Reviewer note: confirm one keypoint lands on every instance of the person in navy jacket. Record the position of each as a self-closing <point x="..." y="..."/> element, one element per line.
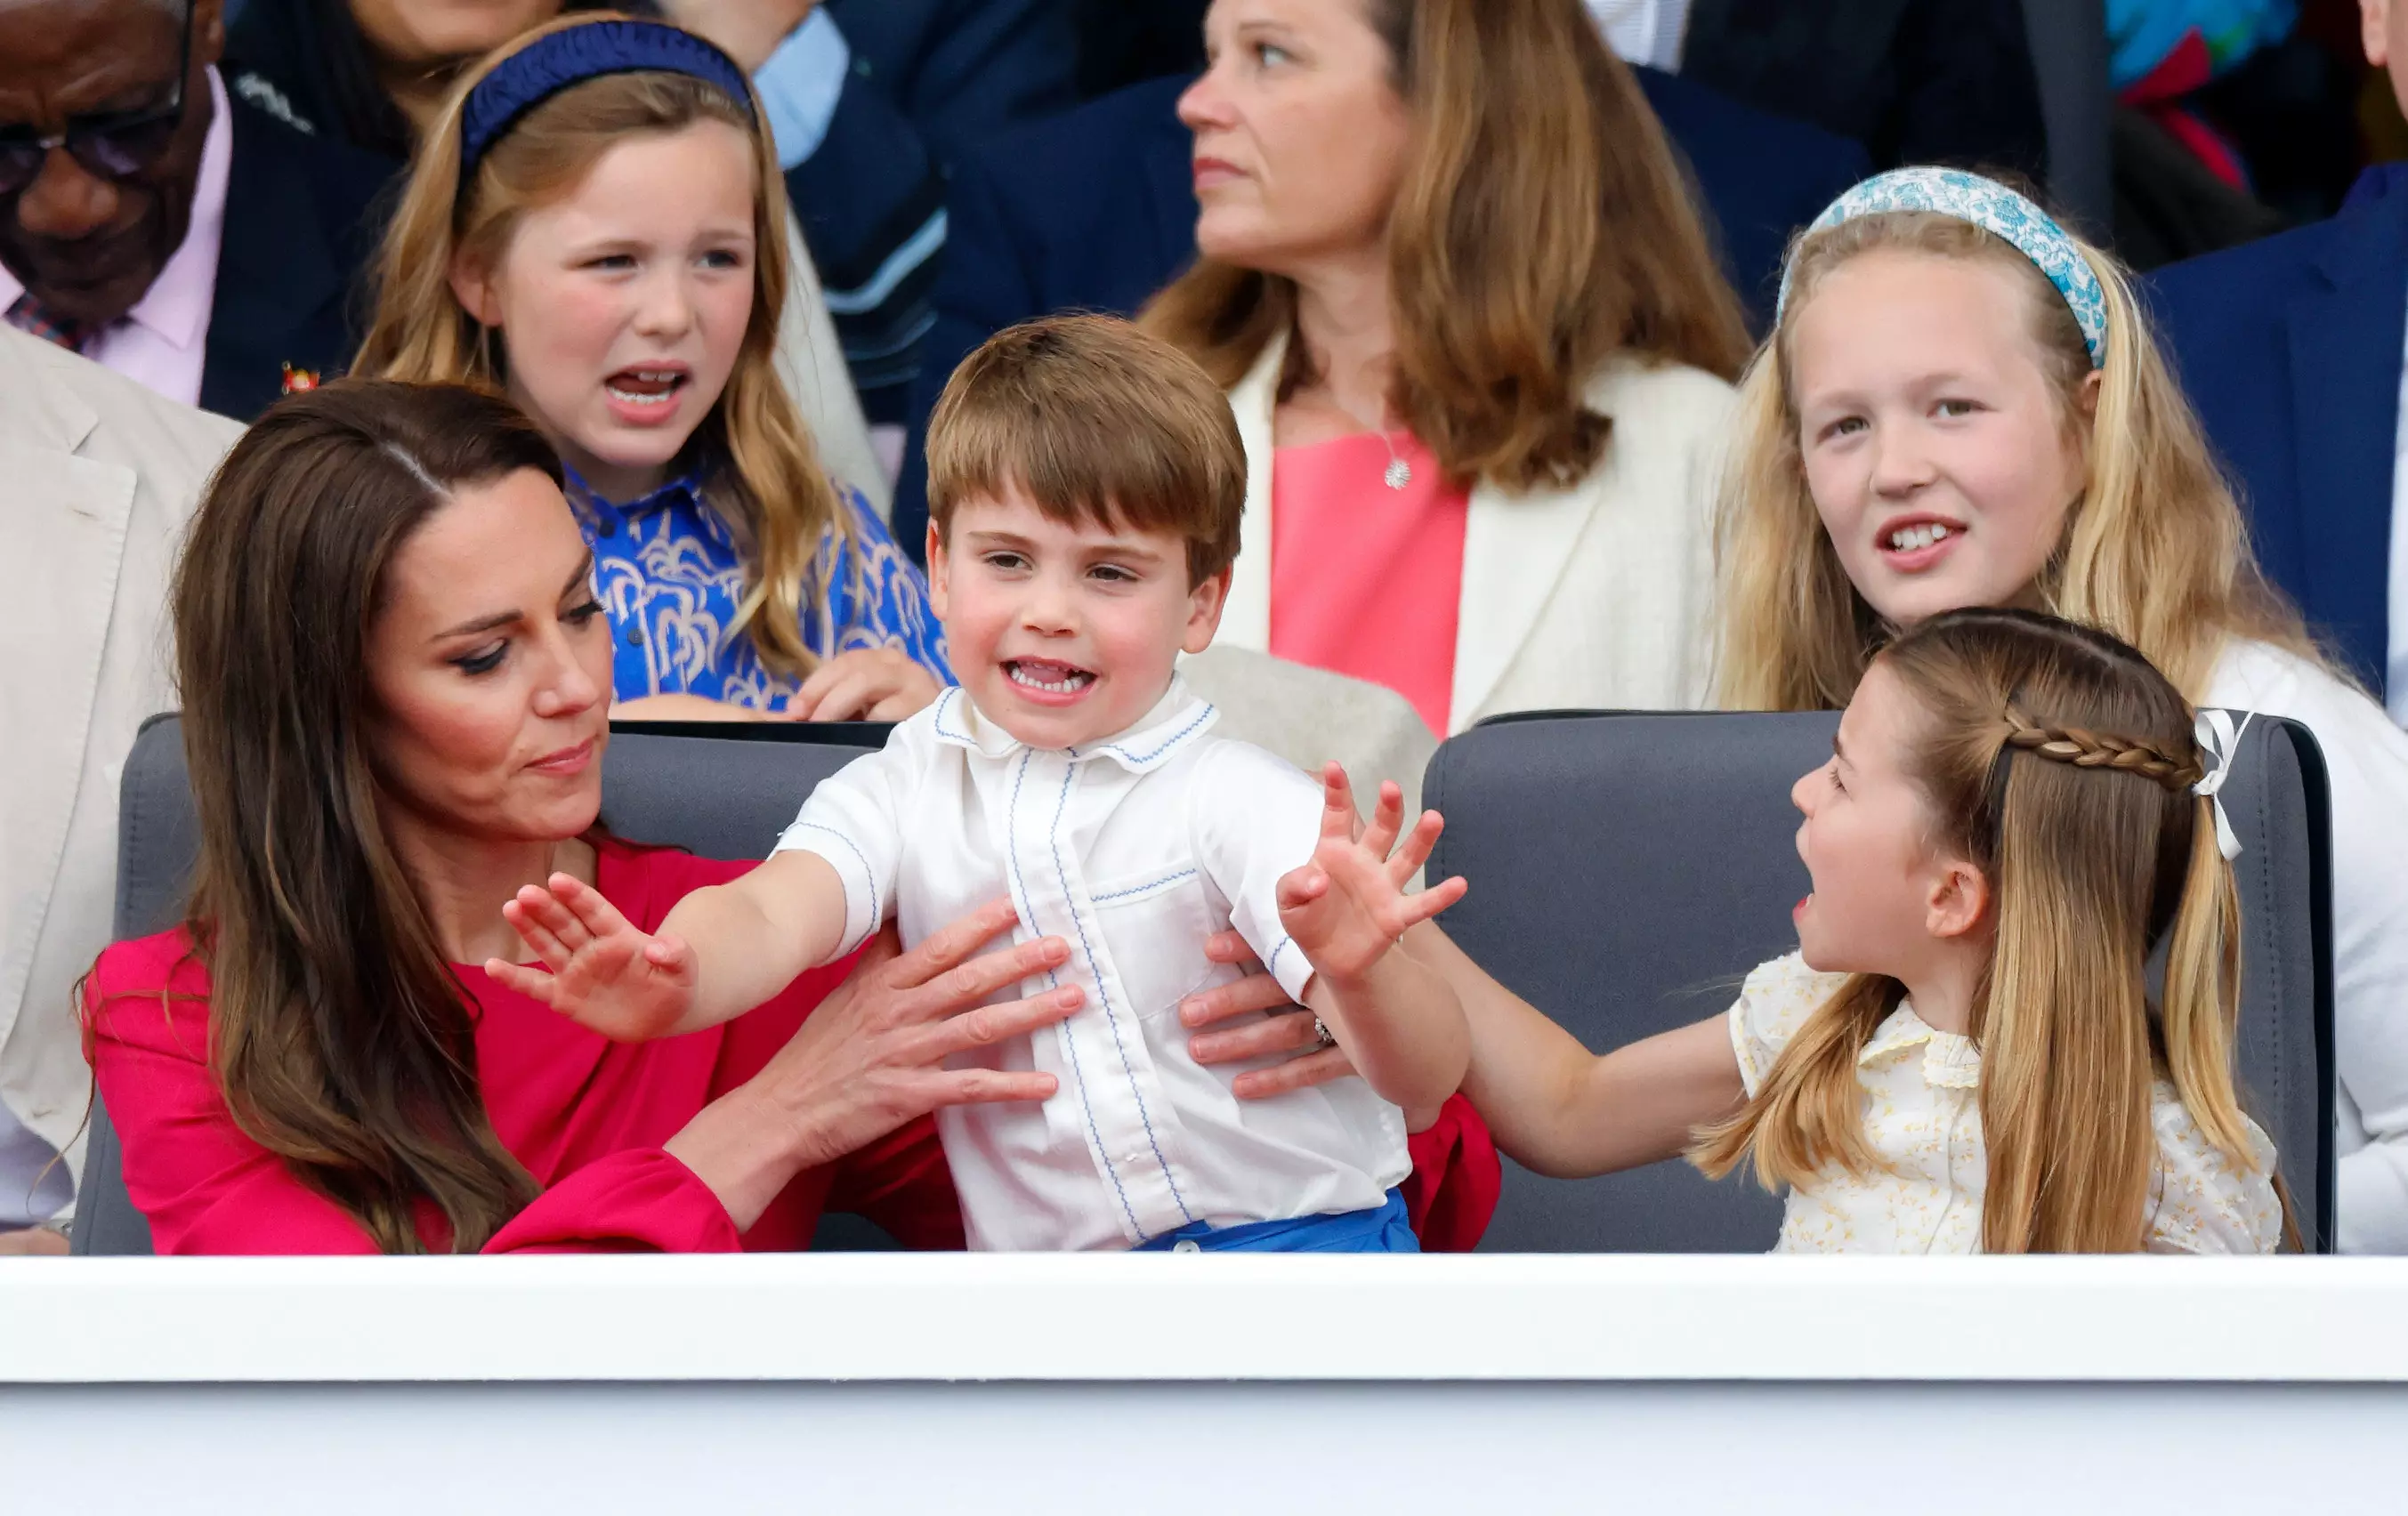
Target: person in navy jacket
<point x="1095" y="209"/>
<point x="2293" y="348"/>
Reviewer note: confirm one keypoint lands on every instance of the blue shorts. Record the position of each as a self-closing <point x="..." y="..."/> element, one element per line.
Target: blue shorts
<point x="1380" y="1229"/>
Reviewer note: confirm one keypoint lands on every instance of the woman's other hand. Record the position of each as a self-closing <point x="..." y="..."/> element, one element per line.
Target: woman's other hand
<point x="867" y="684"/>
<point x="1286" y="1027"/>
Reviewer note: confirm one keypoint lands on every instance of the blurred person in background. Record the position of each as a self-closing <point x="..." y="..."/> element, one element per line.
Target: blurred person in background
<point x="1477" y="345"/>
<point x="870" y="99"/>
<point x="1097" y="209"/>
<point x="2295" y="351"/>
<point x="102" y="475"/>
<point x="160" y="225"/>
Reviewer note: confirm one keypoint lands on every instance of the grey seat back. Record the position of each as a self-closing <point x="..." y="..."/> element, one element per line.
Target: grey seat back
<point x="712" y="792"/>
<point x="1626" y="871"/>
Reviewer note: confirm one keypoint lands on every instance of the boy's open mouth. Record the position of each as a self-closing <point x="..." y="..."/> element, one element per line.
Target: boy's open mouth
<point x="1047" y="677"/>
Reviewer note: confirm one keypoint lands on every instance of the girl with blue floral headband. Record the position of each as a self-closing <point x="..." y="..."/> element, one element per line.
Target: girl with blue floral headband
<point x="1961" y="405"/>
<point x="594" y="226"/>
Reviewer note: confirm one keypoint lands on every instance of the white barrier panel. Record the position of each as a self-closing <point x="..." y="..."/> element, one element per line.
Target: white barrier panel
<point x="1175" y="1383"/>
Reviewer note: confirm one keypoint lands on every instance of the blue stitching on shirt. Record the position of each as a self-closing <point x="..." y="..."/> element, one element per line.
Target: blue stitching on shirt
<point x="1062" y="807"/>
<point x="877" y="916"/>
<point x="1169" y="743"/>
<point x="945" y="707"/>
<point x="1086" y="1106"/>
<point x="1273" y="967"/>
<point x="1156" y="884"/>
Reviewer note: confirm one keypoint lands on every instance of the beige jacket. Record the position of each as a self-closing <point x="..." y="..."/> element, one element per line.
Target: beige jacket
<point x="1309" y="716"/>
<point x="1593" y="597"/>
<point x="810" y="360"/>
<point x="97" y="477"/>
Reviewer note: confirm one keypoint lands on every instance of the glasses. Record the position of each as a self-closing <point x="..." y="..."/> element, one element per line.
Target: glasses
<point x="118" y="144"/>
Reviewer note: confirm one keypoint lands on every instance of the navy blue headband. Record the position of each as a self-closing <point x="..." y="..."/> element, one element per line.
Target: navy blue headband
<point x="550" y="63"/>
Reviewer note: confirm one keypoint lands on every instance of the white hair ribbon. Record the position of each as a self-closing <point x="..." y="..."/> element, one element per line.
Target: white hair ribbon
<point x="2221" y="741"/>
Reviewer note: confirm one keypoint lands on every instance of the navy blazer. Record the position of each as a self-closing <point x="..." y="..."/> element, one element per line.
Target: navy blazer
<point x="300" y="230"/>
<point x="2291" y="350"/>
<point x="1095" y="210"/>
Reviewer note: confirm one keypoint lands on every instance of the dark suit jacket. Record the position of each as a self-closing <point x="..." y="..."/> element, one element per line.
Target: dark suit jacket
<point x="2290" y="348"/>
<point x="300" y="231"/>
<point x="1095" y="209"/>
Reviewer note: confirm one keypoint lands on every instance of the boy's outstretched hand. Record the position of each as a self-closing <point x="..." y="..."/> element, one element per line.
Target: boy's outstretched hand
<point x="1348" y="906"/>
<point x="605" y="973"/>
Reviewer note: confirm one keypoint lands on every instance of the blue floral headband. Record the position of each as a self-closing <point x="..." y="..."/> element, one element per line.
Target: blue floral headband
<point x="550" y="63"/>
<point x="1994" y="208"/>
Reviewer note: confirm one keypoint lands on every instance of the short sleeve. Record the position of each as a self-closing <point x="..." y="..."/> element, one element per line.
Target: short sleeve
<point x="876" y="595"/>
<point x="1775" y="1002"/>
<point x="2202" y="1205"/>
<point x="1253" y="818"/>
<point x="855" y="821"/>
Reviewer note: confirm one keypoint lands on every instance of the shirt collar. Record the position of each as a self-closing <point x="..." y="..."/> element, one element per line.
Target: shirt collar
<point x="177" y="305"/>
<point x="684" y="490"/>
<point x="1178" y="718"/>
<point x="1949" y="1062"/>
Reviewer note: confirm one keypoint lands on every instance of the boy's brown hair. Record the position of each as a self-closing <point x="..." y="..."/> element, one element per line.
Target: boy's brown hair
<point x="1093" y="420"/>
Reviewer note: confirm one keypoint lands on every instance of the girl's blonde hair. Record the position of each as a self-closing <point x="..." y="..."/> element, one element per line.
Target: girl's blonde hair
<point x="2057" y="761"/>
<point x="769" y="487"/>
<point x="1541" y="228"/>
<point x="2154" y="549"/>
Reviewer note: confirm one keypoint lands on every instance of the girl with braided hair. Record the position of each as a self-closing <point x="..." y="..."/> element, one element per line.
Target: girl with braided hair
<point x="1961" y="405"/>
<point x="1963" y="1054"/>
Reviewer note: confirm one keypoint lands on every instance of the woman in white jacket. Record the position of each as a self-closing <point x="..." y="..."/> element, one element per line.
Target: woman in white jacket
<point x="1477" y="345"/>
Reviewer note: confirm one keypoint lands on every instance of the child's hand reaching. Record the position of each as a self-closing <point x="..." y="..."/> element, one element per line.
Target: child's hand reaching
<point x="605" y="973"/>
<point x="1348" y="907"/>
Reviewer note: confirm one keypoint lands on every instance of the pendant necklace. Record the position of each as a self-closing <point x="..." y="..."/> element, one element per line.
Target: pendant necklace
<point x="1398" y="473"/>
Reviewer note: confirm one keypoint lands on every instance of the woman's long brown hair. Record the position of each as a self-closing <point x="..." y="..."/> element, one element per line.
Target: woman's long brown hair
<point x="2059" y="763"/>
<point x="769" y="489"/>
<point x="1542" y="228"/>
<point x="338" y="1032"/>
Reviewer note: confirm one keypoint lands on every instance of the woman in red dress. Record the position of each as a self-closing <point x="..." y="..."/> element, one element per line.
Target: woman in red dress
<point x="396" y="688"/>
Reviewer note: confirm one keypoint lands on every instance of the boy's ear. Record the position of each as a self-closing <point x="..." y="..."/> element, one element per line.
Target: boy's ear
<point x="939" y="571"/>
<point x="1959" y="901"/>
<point x="474" y="290"/>
<point x="1205" y="604"/>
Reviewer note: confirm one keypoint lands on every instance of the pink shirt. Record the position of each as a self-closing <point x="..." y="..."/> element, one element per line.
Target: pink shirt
<point x="1366" y="580"/>
<point x="160" y="343"/>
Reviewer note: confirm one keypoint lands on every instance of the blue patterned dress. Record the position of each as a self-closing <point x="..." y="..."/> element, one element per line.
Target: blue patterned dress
<point x="670" y="578"/>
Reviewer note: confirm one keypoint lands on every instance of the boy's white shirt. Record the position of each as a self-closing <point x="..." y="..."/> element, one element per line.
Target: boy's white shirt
<point x="1134" y="850"/>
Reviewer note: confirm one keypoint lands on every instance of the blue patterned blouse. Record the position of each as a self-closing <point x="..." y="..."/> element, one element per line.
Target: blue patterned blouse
<point x="670" y="580"/>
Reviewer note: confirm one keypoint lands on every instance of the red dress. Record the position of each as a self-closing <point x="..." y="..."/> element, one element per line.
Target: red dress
<point x="585" y="1115"/>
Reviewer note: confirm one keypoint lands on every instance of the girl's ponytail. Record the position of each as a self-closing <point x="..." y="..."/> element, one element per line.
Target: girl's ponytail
<point x="2202" y="1006"/>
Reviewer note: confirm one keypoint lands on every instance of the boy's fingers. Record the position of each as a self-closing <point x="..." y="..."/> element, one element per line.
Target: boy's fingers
<point x="1418" y="909"/>
<point x="520" y="980"/>
<point x="1408" y="860"/>
<point x="1387" y="817"/>
<point x="1301" y="887"/>
<point x="545" y="910"/>
<point x="540" y="939"/>
<point x="588" y="907"/>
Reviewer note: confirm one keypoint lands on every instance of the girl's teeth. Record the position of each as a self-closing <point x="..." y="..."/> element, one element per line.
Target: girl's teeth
<point x="1909" y="539"/>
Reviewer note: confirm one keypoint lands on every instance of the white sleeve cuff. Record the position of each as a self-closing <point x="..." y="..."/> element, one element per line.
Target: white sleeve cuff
<point x="801" y="83"/>
<point x="863" y="912"/>
<point x="1288" y="964"/>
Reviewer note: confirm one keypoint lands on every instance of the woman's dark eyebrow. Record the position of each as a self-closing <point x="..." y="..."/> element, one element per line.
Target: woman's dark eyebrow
<point x="503" y="618"/>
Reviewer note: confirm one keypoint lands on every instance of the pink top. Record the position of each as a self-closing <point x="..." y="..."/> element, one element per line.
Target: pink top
<point x="159" y="344"/>
<point x="1366" y="580"/>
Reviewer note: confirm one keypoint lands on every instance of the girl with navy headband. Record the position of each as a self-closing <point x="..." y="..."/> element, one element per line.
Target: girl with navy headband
<point x="1961" y="405"/>
<point x="593" y="226"/>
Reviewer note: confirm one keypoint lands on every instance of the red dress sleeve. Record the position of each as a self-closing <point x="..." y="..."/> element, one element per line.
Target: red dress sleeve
<point x="1452" y="1192"/>
<point x="207" y="1188"/>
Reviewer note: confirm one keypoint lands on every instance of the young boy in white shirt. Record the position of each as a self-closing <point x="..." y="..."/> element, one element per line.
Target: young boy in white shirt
<point x="1085" y="488"/>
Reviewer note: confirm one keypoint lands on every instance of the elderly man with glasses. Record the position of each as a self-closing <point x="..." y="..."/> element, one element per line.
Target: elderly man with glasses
<point x="161" y="227"/>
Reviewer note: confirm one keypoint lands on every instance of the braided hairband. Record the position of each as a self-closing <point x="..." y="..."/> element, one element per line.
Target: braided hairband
<point x="2219" y="741"/>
